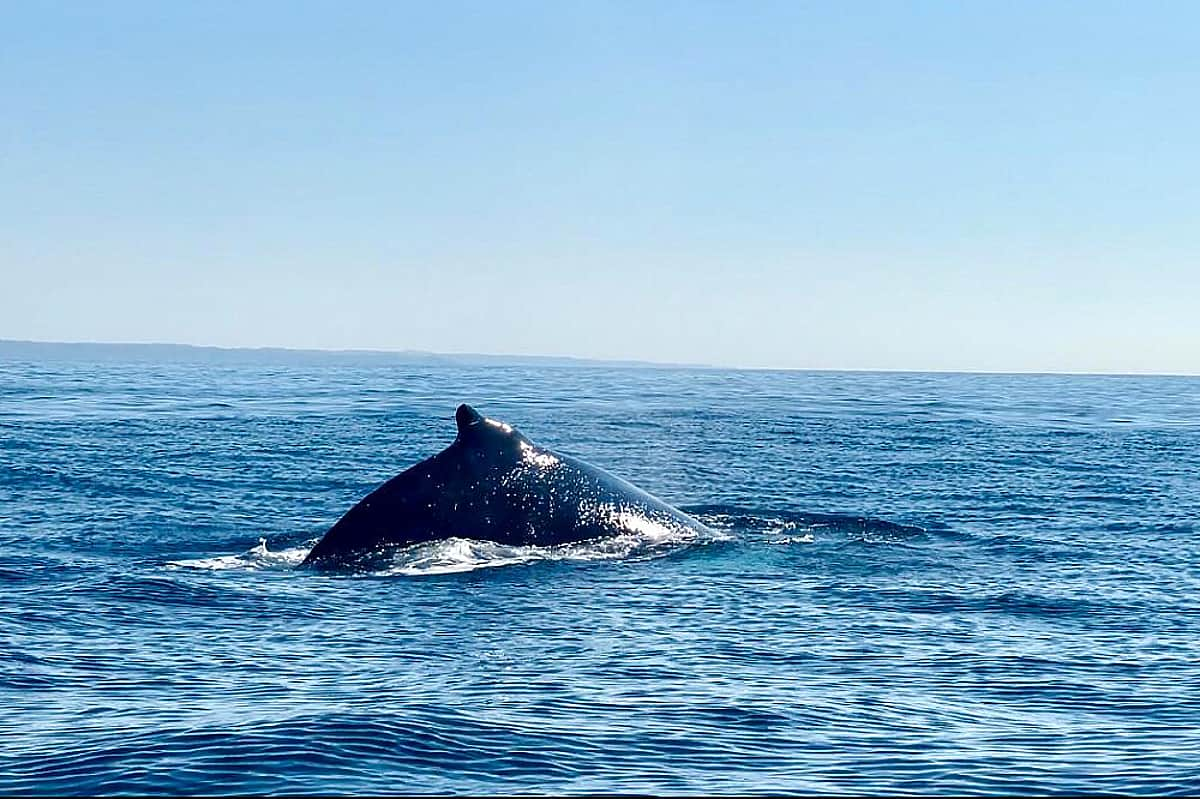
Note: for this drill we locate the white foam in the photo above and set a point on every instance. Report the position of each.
(786, 533)
(454, 555)
(257, 557)
(792, 539)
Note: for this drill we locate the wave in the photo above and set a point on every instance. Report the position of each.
(454, 555)
(795, 527)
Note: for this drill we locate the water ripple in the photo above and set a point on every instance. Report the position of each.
(920, 584)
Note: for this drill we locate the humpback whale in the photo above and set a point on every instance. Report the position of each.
(493, 483)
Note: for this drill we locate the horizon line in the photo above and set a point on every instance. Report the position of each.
(570, 359)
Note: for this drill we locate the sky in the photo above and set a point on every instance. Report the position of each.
(982, 186)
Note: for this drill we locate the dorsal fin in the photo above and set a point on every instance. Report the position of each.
(467, 417)
(475, 429)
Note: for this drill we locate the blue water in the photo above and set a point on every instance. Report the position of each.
(917, 584)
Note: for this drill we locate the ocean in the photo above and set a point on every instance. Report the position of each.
(916, 584)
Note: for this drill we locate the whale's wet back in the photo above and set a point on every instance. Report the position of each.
(494, 484)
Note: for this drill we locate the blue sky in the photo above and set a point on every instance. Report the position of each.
(898, 185)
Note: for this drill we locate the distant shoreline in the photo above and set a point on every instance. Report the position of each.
(193, 353)
(149, 352)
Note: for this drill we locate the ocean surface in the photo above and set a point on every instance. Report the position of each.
(916, 583)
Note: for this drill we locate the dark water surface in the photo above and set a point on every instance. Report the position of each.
(920, 584)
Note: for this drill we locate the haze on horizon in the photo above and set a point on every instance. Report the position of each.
(977, 187)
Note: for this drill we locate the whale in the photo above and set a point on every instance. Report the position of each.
(492, 483)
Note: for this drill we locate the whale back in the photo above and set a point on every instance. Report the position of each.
(492, 483)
